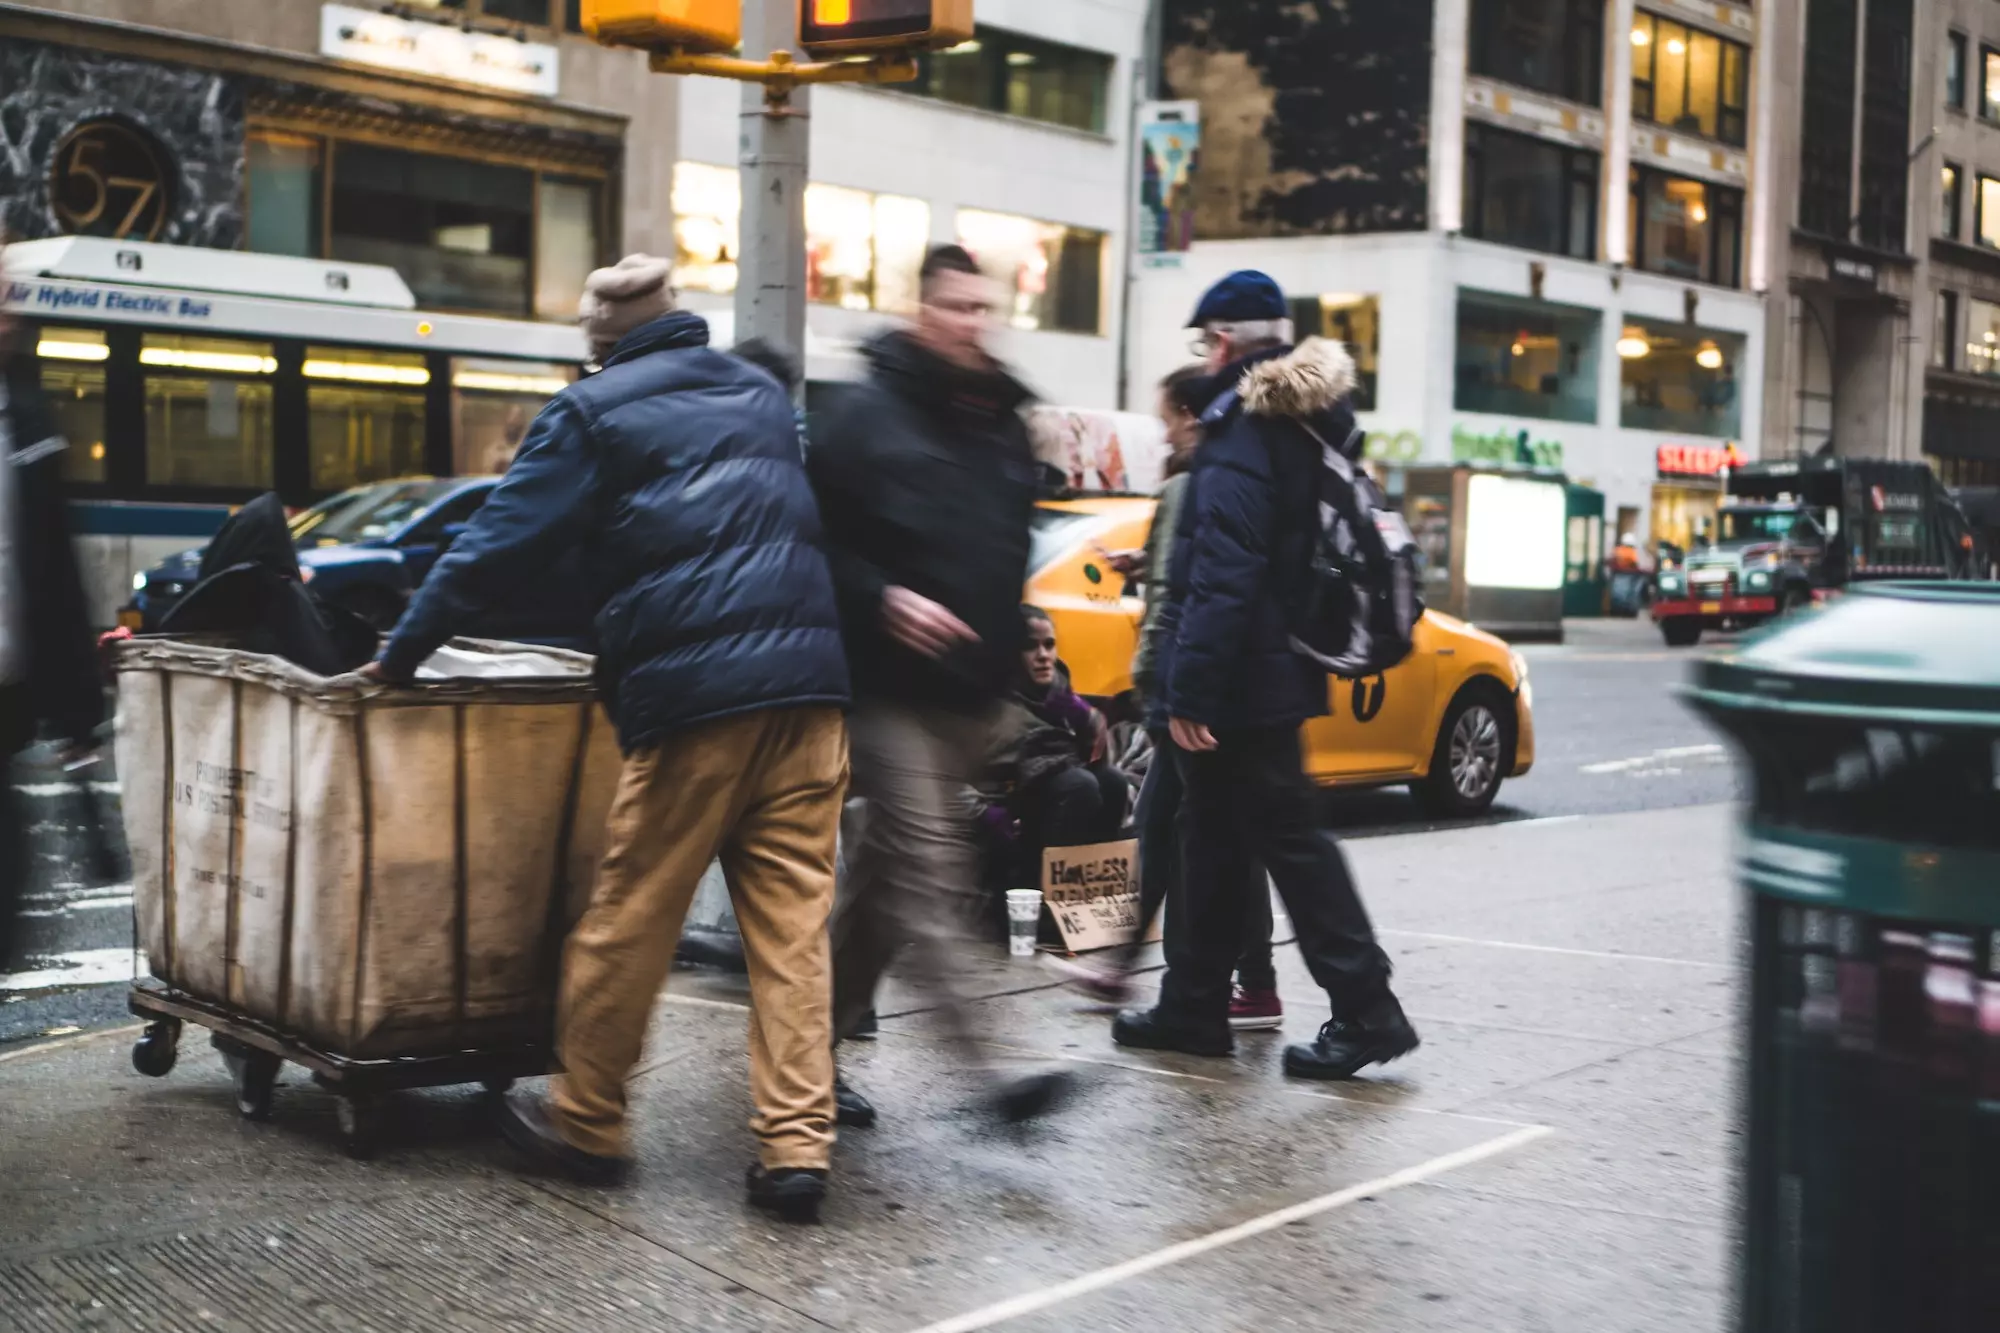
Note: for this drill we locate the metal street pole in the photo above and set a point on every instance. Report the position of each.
(775, 145)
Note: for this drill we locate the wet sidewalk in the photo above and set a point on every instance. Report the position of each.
(1556, 1157)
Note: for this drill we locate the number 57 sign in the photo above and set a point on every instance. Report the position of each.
(111, 179)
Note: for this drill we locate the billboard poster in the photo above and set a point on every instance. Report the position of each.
(1169, 153)
(1118, 453)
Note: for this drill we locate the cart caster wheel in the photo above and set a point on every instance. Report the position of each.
(360, 1125)
(497, 1087)
(158, 1048)
(256, 1075)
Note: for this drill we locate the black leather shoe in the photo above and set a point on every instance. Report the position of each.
(850, 1108)
(1031, 1097)
(794, 1194)
(524, 1122)
(1344, 1047)
(1148, 1030)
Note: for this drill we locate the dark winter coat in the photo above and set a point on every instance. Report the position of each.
(676, 471)
(1245, 541)
(64, 683)
(927, 481)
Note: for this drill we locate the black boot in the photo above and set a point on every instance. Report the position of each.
(1149, 1029)
(524, 1122)
(793, 1193)
(1346, 1046)
(850, 1108)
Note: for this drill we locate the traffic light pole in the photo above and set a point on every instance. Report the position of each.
(775, 149)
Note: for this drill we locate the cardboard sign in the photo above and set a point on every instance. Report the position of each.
(1094, 892)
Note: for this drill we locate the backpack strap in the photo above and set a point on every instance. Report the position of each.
(1343, 498)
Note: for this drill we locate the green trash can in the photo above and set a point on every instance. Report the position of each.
(1871, 852)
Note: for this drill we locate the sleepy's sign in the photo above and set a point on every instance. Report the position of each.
(1697, 460)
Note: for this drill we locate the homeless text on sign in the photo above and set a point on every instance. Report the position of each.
(1094, 892)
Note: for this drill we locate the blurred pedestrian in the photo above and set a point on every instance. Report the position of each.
(1236, 693)
(1254, 1003)
(927, 483)
(49, 673)
(676, 470)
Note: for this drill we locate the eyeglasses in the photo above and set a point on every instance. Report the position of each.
(1203, 342)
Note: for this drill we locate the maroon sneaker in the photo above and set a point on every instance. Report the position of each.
(1255, 1010)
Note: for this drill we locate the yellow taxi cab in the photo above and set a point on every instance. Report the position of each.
(1453, 721)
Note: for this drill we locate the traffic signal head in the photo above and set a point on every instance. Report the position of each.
(700, 26)
(861, 27)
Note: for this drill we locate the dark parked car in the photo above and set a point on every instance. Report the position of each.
(369, 548)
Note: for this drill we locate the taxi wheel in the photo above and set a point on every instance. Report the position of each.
(1471, 757)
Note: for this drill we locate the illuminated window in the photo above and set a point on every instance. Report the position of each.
(566, 245)
(1680, 379)
(72, 374)
(1948, 201)
(1054, 273)
(863, 251)
(1019, 76)
(1986, 223)
(1686, 228)
(1689, 80)
(492, 405)
(1989, 83)
(1526, 358)
(1982, 337)
(208, 411)
(1944, 333)
(364, 416)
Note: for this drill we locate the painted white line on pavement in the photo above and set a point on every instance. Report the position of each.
(94, 904)
(1660, 758)
(45, 789)
(1033, 1302)
(703, 1002)
(42, 1047)
(86, 967)
(1550, 948)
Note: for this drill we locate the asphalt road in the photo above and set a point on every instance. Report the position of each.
(1611, 736)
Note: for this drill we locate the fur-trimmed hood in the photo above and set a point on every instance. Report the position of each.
(1315, 377)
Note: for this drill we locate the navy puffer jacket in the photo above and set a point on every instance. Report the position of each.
(676, 471)
(1245, 540)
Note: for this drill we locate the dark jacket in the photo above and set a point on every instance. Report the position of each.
(1245, 541)
(927, 482)
(676, 470)
(64, 683)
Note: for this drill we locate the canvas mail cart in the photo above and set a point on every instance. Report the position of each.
(371, 882)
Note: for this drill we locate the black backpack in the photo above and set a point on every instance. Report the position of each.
(1358, 605)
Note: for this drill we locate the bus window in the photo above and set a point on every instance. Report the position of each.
(365, 415)
(72, 370)
(208, 411)
(492, 405)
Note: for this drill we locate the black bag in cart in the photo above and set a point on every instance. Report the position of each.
(1359, 604)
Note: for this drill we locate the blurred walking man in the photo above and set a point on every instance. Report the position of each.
(676, 471)
(1236, 693)
(927, 483)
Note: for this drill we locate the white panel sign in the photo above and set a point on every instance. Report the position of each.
(440, 51)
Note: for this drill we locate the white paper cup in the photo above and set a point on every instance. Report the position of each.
(1024, 916)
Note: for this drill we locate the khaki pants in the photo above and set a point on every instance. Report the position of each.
(763, 791)
(912, 880)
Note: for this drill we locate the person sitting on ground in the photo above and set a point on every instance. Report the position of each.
(1055, 784)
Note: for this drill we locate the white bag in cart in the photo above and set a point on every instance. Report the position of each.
(379, 871)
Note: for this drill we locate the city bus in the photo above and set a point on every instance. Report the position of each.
(187, 381)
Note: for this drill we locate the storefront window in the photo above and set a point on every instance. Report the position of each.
(1528, 192)
(1982, 337)
(72, 371)
(1948, 201)
(1682, 380)
(1944, 333)
(1689, 80)
(566, 245)
(1055, 274)
(1354, 320)
(364, 415)
(208, 411)
(863, 251)
(458, 231)
(1552, 47)
(1019, 76)
(1525, 358)
(283, 185)
(492, 404)
(1686, 228)
(1954, 71)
